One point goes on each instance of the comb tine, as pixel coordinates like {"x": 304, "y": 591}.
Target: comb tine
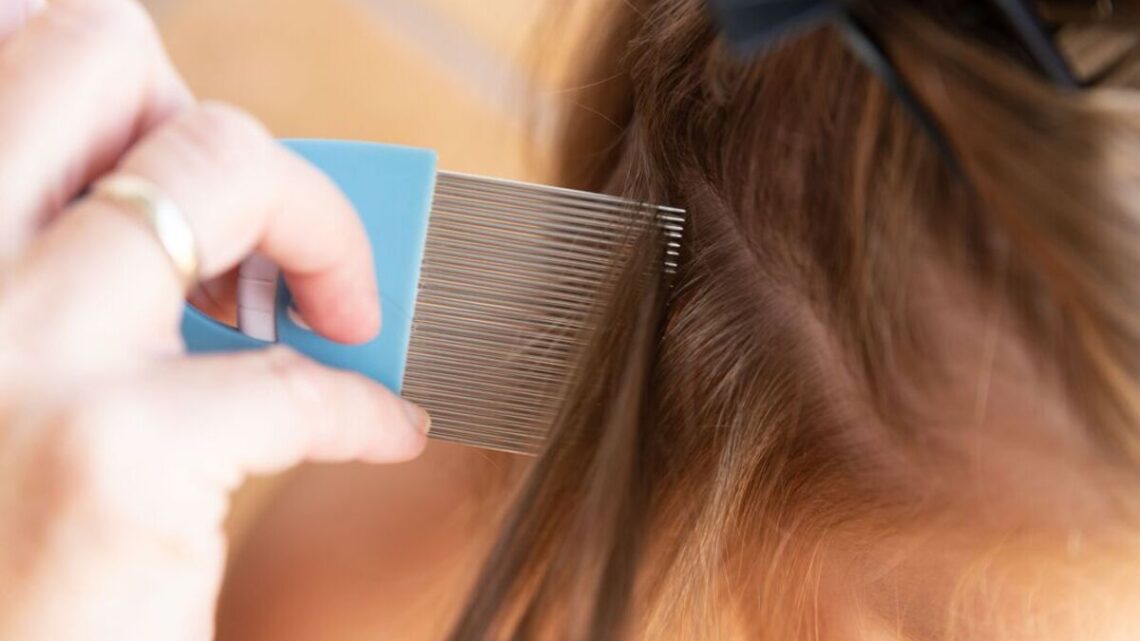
{"x": 511, "y": 276}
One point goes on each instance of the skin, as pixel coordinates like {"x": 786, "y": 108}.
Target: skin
{"x": 117, "y": 451}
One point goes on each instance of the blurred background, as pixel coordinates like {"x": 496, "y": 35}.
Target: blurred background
{"x": 464, "y": 77}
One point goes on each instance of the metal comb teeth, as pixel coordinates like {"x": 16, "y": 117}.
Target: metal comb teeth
{"x": 511, "y": 275}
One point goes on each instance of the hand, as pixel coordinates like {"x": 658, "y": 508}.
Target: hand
{"x": 118, "y": 451}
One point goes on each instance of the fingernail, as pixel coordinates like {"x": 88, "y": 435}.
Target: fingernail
{"x": 418, "y": 417}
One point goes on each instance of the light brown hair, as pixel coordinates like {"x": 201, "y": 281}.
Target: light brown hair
{"x": 753, "y": 441}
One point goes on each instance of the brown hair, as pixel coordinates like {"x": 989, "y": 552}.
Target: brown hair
{"x": 749, "y": 436}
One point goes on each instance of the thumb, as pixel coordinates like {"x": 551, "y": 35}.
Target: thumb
{"x": 262, "y": 412}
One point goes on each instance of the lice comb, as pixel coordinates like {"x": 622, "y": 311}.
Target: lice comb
{"x": 487, "y": 287}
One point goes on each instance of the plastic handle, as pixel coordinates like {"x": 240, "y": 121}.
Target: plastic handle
{"x": 391, "y": 188}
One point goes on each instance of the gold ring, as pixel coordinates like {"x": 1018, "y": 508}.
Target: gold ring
{"x": 149, "y": 204}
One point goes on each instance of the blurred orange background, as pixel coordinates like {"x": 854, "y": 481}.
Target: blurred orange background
{"x": 454, "y": 75}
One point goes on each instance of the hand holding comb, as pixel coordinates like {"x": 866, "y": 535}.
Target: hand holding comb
{"x": 486, "y": 286}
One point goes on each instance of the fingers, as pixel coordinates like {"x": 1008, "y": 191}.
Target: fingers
{"x": 80, "y": 82}
{"x": 261, "y": 412}
{"x": 244, "y": 191}
{"x": 240, "y": 191}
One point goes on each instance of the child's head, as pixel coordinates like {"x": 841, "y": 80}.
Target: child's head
{"x": 885, "y": 395}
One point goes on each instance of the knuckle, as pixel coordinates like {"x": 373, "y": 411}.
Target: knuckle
{"x": 232, "y": 121}
{"x": 301, "y": 380}
{"x": 128, "y": 19}
{"x": 86, "y": 446}
{"x": 96, "y": 38}
{"x": 119, "y": 25}
{"x": 220, "y": 136}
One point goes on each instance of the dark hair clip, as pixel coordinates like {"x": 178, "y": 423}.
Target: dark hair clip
{"x": 752, "y": 25}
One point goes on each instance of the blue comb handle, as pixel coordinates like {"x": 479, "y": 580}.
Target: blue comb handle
{"x": 391, "y": 188}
